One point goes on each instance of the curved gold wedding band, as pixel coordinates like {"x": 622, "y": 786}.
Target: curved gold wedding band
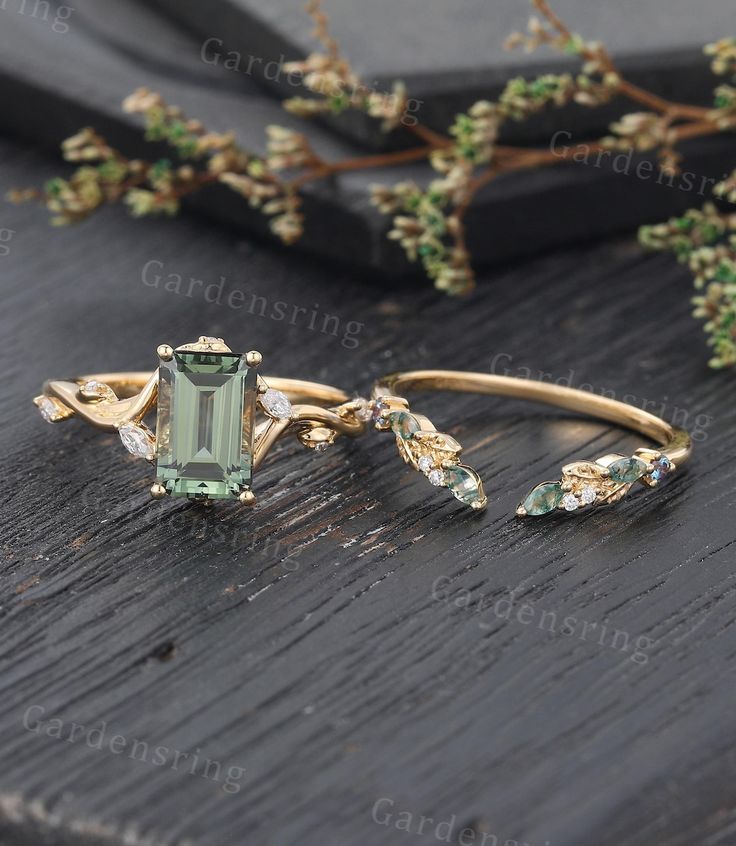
{"x": 208, "y": 441}
{"x": 583, "y": 484}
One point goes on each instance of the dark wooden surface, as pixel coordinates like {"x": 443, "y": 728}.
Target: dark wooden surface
{"x": 301, "y": 641}
{"x": 54, "y": 83}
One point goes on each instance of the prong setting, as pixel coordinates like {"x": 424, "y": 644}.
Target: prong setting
{"x": 247, "y": 498}
{"x": 589, "y": 484}
{"x": 432, "y": 453}
{"x": 205, "y": 448}
{"x": 158, "y": 491}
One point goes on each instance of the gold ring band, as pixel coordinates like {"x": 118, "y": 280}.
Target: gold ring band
{"x": 207, "y": 442}
{"x": 586, "y": 483}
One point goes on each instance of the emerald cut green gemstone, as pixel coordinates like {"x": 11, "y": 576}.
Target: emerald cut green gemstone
{"x": 204, "y": 428}
{"x": 463, "y": 483}
{"x": 403, "y": 424}
{"x": 627, "y": 469}
{"x": 543, "y": 499}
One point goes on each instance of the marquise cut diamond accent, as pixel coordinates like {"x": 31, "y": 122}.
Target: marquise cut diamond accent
{"x": 94, "y": 390}
{"x": 138, "y": 439}
{"x": 276, "y": 404}
{"x": 50, "y": 410}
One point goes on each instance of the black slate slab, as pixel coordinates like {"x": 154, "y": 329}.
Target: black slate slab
{"x": 53, "y": 83}
{"x": 302, "y": 640}
{"x": 451, "y": 54}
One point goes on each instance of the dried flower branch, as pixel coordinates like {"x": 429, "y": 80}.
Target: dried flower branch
{"x": 427, "y": 221}
{"x": 705, "y": 240}
{"x": 338, "y": 88}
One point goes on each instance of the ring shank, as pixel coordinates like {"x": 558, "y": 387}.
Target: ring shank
{"x": 130, "y": 383}
{"x": 314, "y": 404}
{"x": 675, "y": 442}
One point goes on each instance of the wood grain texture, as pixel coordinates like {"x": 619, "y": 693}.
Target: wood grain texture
{"x": 302, "y": 641}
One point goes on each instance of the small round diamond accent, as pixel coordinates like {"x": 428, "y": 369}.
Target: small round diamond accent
{"x": 436, "y": 477}
{"x": 425, "y": 464}
{"x": 276, "y": 404}
{"x": 377, "y": 415}
{"x": 570, "y": 502}
{"x": 138, "y": 439}
{"x": 365, "y": 412}
{"x": 588, "y": 495}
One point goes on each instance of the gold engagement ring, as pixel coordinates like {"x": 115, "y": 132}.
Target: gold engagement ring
{"x": 208, "y": 440}
{"x": 583, "y": 484}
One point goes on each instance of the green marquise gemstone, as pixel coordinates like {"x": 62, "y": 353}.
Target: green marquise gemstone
{"x": 543, "y": 499}
{"x": 464, "y": 484}
{"x": 627, "y": 469}
{"x": 205, "y": 424}
{"x": 403, "y": 424}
